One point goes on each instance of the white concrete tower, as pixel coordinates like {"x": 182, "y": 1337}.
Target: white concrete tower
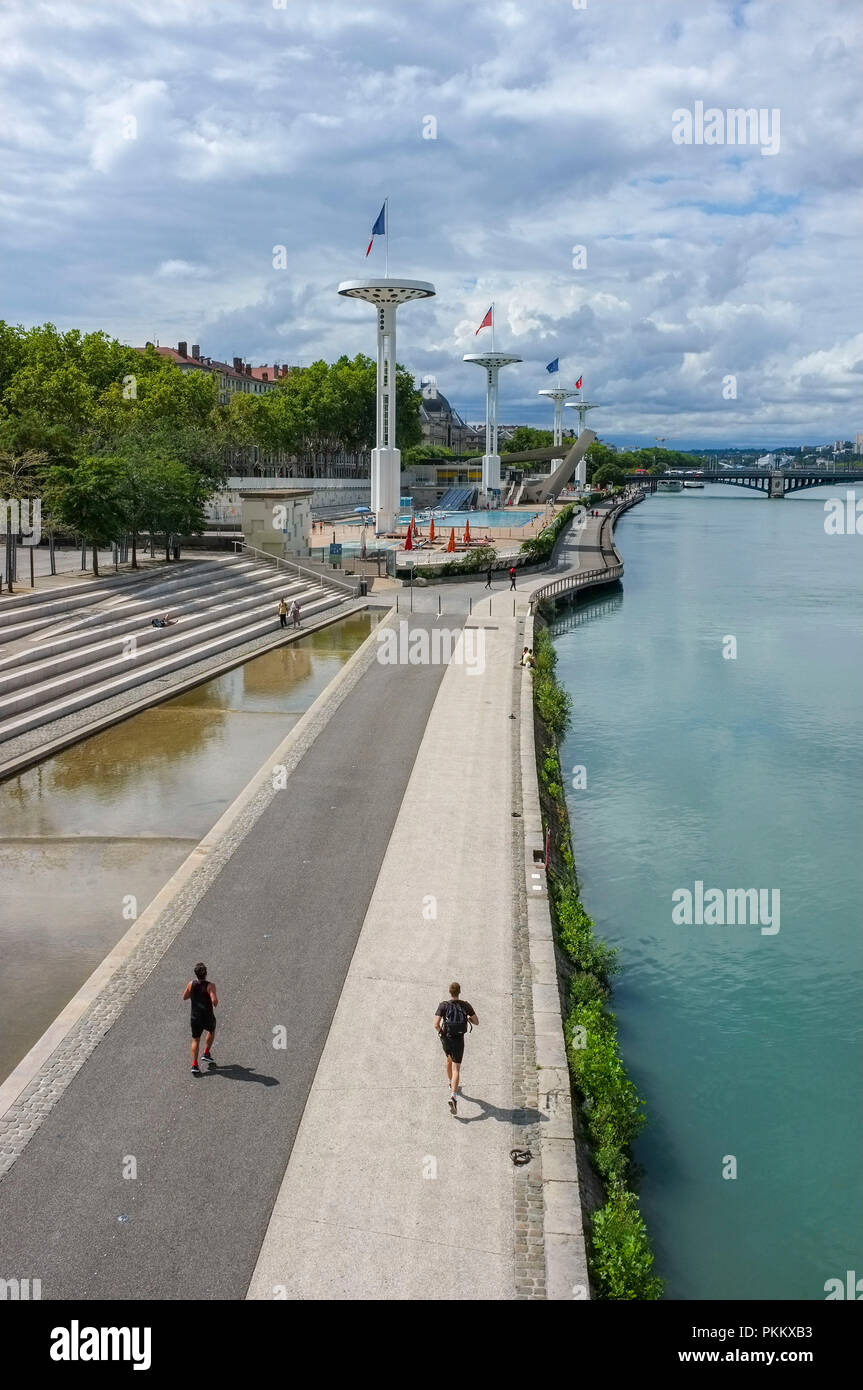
{"x": 386, "y": 295}
{"x": 582, "y": 407}
{"x": 492, "y": 361}
{"x": 558, "y": 394}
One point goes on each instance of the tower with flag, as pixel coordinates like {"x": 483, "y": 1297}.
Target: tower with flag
{"x": 582, "y": 407}
{"x": 492, "y": 362}
{"x": 386, "y": 294}
{"x": 559, "y": 394}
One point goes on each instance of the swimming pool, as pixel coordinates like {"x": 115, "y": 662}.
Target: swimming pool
{"x": 482, "y": 521}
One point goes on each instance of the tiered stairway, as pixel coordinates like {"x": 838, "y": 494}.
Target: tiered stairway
{"x": 70, "y": 647}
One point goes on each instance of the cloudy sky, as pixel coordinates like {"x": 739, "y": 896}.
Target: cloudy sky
{"x": 156, "y": 154}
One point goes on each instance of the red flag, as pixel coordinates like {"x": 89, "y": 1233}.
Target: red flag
{"x": 578, "y": 383}
{"x": 486, "y": 323}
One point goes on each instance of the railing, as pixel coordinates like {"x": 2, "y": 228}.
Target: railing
{"x": 243, "y": 548}
{"x": 579, "y": 579}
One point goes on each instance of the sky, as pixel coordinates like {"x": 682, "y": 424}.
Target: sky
{"x": 156, "y": 156}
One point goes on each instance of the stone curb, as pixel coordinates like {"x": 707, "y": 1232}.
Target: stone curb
{"x": 563, "y": 1226}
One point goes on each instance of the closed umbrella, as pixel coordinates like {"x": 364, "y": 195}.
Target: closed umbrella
{"x": 451, "y": 541}
{"x": 409, "y": 542}
{"x": 467, "y": 533}
{"x": 431, "y": 530}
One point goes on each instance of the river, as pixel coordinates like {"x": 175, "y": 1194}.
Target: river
{"x": 739, "y": 772}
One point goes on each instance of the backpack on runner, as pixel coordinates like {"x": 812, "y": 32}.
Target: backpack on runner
{"x": 454, "y": 1018}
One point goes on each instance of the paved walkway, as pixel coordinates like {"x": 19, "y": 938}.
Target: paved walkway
{"x": 278, "y": 927}
{"x": 386, "y": 1195}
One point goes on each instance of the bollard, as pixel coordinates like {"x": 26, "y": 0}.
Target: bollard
{"x": 470, "y": 607}
{"x": 397, "y": 603}
{"x": 438, "y": 605}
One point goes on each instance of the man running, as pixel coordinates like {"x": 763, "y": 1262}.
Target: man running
{"x": 450, "y": 1021}
{"x": 202, "y": 993}
{"x": 488, "y": 577}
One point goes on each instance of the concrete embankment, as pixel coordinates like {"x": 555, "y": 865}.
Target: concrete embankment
{"x": 407, "y": 853}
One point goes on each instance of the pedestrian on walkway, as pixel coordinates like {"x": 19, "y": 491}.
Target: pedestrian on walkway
{"x": 489, "y": 573}
{"x": 204, "y": 999}
{"x": 511, "y": 577}
{"x": 283, "y": 613}
{"x": 295, "y": 613}
{"x": 451, "y": 1022}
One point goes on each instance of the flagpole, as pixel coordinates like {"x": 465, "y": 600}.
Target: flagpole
{"x": 387, "y": 207}
{"x": 492, "y": 325}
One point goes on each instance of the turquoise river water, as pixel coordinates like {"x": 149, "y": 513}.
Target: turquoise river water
{"x": 738, "y": 772}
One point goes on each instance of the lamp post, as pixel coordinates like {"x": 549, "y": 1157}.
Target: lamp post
{"x": 386, "y": 295}
{"x": 492, "y": 362}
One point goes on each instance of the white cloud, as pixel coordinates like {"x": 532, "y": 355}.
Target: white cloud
{"x": 257, "y": 126}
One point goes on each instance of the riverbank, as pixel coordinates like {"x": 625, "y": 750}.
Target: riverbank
{"x": 609, "y": 1111}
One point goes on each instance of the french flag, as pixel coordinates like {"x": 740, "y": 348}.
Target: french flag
{"x": 486, "y": 323}
{"x": 380, "y": 227}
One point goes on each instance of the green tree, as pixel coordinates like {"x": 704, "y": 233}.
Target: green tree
{"x": 88, "y": 498}
{"x": 609, "y": 473}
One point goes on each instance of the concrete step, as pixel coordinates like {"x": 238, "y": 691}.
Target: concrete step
{"x": 44, "y": 609}
{"x": 213, "y": 640}
{"x": 58, "y": 678}
{"x": 87, "y": 649}
{"x": 131, "y": 613}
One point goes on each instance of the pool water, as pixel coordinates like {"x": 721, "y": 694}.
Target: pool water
{"x": 481, "y": 520}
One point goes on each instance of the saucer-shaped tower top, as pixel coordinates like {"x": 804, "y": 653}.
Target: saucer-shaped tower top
{"x": 386, "y": 295}
{"x": 385, "y": 291}
{"x": 492, "y": 361}
{"x": 558, "y": 394}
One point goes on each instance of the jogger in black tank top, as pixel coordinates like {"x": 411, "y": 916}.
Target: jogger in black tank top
{"x": 204, "y": 1000}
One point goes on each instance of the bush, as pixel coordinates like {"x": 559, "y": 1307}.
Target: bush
{"x": 540, "y": 547}
{"x": 622, "y": 1262}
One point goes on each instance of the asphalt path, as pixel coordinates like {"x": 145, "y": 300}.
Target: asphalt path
{"x": 277, "y": 930}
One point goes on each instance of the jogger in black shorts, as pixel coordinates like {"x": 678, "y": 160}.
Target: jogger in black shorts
{"x": 451, "y": 1020}
{"x": 202, "y": 993}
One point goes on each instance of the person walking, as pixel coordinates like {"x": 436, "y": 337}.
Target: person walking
{"x": 489, "y": 573}
{"x": 283, "y": 613}
{"x": 295, "y": 613}
{"x": 204, "y": 1000}
{"x": 511, "y": 577}
{"x": 451, "y": 1022}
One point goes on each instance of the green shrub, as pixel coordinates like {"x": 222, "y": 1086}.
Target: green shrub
{"x": 621, "y": 1259}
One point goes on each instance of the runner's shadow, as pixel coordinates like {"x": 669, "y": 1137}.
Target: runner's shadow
{"x": 234, "y": 1072}
{"x": 521, "y": 1116}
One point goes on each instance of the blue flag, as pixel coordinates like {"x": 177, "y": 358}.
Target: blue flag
{"x": 554, "y": 366}
{"x": 380, "y": 227}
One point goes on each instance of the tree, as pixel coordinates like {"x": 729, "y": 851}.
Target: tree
{"x": 609, "y": 473}
{"x": 21, "y": 477}
{"x": 88, "y": 498}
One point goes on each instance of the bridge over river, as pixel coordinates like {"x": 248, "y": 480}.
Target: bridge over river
{"x": 774, "y": 484}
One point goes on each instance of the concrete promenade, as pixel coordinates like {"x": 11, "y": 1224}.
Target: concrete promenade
{"x": 319, "y": 1159}
{"x": 386, "y": 1195}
